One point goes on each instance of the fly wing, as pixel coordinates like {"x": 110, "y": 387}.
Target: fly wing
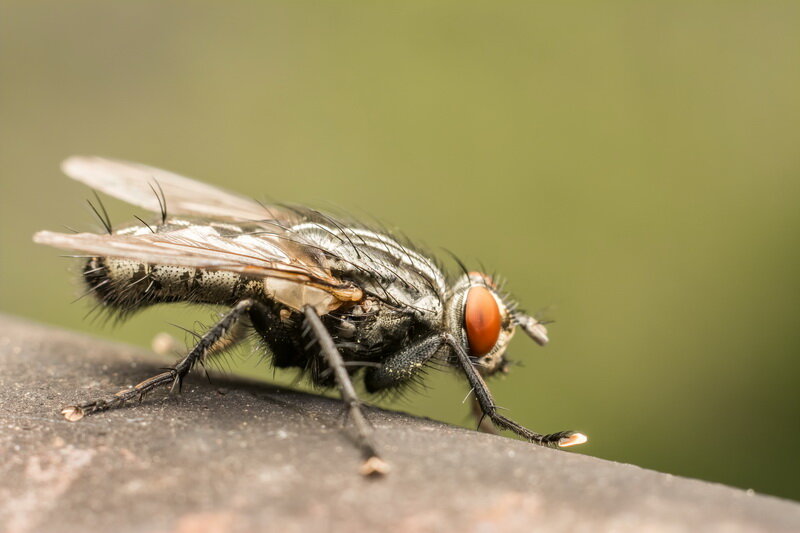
{"x": 137, "y": 184}
{"x": 293, "y": 274}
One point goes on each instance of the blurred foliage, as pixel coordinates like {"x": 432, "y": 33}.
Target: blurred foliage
{"x": 631, "y": 167}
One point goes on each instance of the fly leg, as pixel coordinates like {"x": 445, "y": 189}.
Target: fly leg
{"x": 486, "y": 402}
{"x": 373, "y": 464}
{"x": 484, "y": 424}
{"x": 165, "y": 344}
{"x": 403, "y": 365}
{"x": 172, "y": 376}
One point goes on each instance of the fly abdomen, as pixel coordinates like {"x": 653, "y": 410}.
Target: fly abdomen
{"x": 128, "y": 285}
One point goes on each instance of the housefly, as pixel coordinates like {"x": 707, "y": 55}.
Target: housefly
{"x": 335, "y": 299}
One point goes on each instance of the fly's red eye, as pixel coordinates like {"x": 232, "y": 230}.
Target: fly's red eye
{"x": 482, "y": 320}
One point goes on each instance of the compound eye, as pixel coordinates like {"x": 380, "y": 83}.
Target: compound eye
{"x": 482, "y": 321}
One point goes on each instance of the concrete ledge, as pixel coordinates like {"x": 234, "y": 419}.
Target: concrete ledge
{"x": 236, "y": 456}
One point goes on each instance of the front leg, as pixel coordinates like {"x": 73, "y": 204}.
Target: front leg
{"x": 482, "y": 422}
{"x": 487, "y": 405}
{"x": 403, "y": 365}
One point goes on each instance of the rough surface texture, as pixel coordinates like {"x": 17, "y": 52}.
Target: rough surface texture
{"x": 244, "y": 457}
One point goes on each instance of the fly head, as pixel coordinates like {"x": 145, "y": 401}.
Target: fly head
{"x": 484, "y": 322}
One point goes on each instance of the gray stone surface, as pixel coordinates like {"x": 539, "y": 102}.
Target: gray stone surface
{"x": 238, "y": 456}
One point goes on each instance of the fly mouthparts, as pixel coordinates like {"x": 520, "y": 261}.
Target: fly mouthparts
{"x": 533, "y": 328}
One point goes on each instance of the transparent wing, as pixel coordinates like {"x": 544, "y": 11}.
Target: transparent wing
{"x": 137, "y": 184}
{"x": 293, "y": 272}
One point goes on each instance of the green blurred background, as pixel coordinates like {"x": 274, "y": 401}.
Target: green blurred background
{"x": 632, "y": 167}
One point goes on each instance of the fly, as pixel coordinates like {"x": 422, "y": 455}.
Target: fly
{"x": 337, "y": 300}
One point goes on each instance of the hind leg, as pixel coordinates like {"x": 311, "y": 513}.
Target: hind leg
{"x": 173, "y": 377}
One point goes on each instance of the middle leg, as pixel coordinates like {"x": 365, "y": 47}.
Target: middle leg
{"x": 373, "y": 463}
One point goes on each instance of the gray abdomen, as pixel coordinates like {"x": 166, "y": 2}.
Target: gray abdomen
{"x": 129, "y": 285}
